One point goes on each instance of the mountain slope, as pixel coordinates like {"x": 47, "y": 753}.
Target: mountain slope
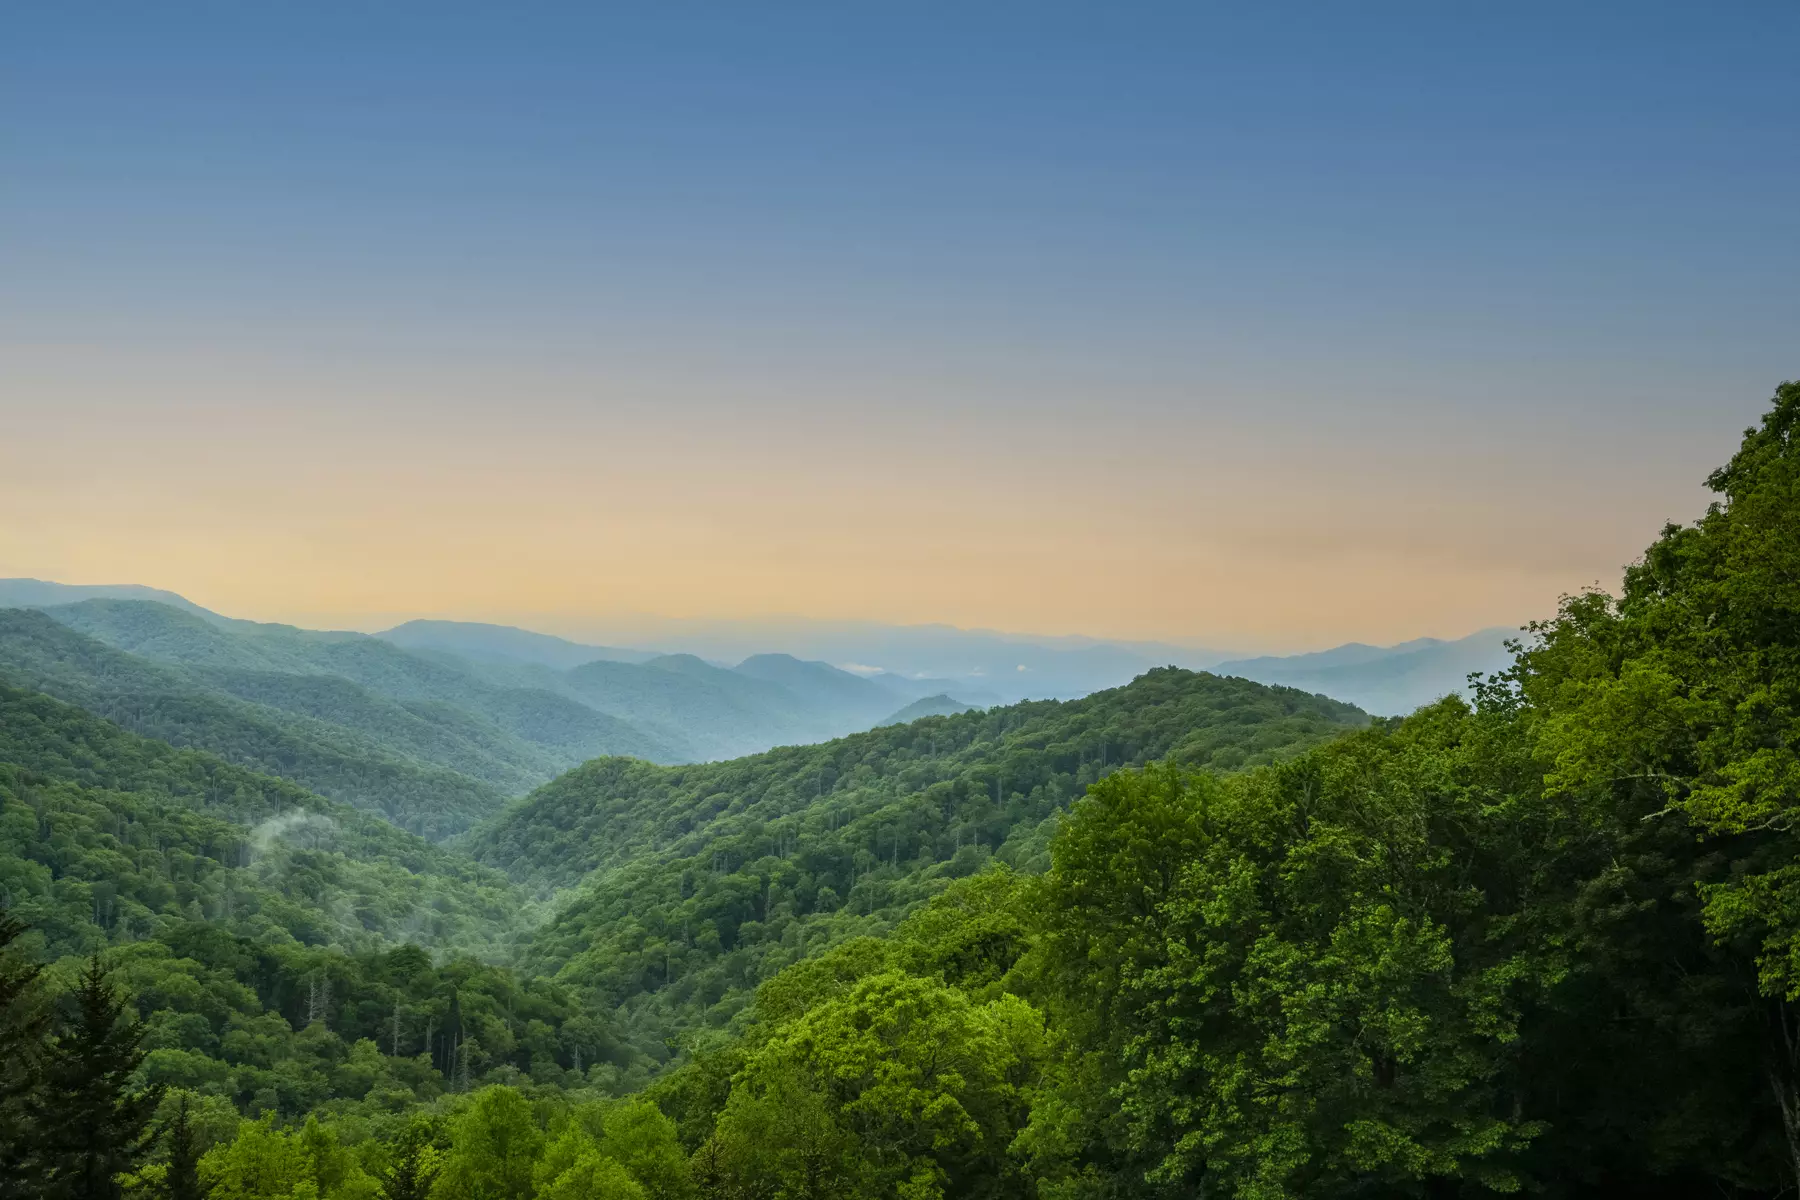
{"x": 1389, "y": 680}
{"x": 269, "y": 939}
{"x": 174, "y": 706}
{"x": 707, "y": 878}
{"x": 428, "y": 765}
{"x": 105, "y": 835}
{"x": 930, "y": 706}
{"x": 566, "y": 731}
{"x": 41, "y": 593}
{"x": 504, "y": 643}
{"x": 823, "y": 686}
{"x": 718, "y": 713}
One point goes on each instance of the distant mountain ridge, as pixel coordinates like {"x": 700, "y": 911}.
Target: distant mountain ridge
{"x": 427, "y": 764}
{"x": 430, "y": 739}
{"x": 1387, "y": 680}
{"x": 827, "y": 679}
{"x": 930, "y": 706}
{"x": 505, "y": 643}
{"x": 41, "y": 593}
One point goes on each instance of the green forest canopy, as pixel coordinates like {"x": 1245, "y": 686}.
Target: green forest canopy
{"x": 1544, "y": 942}
{"x": 707, "y": 879}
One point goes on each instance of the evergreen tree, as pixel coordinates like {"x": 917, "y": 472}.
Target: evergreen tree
{"x": 182, "y": 1180}
{"x": 23, "y": 1026}
{"x": 91, "y": 1127}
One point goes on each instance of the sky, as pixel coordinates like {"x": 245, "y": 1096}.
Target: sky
{"x": 1250, "y": 326}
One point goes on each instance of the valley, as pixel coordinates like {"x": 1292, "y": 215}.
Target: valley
{"x": 362, "y": 900}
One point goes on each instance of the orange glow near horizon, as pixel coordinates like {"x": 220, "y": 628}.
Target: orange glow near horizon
{"x": 557, "y": 503}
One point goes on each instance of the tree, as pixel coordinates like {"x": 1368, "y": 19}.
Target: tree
{"x": 181, "y": 1178}
{"x": 260, "y": 1161}
{"x": 415, "y": 1166}
{"x": 494, "y": 1144}
{"x": 781, "y": 1139}
{"x": 1304, "y": 1008}
{"x": 333, "y": 1169}
{"x": 23, "y": 1026}
{"x": 92, "y": 1126}
{"x": 899, "y": 1083}
{"x": 641, "y": 1139}
{"x": 574, "y": 1168}
{"x": 1670, "y": 717}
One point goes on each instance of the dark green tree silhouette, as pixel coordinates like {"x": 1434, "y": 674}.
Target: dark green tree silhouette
{"x": 92, "y": 1126}
{"x": 24, "y": 1026}
{"x": 182, "y": 1180}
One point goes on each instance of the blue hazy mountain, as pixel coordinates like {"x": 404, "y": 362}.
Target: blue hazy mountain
{"x": 504, "y": 643}
{"x": 346, "y": 716}
{"x": 736, "y": 687}
{"x": 40, "y": 593}
{"x": 931, "y": 706}
{"x": 979, "y": 666}
{"x": 1386, "y": 680}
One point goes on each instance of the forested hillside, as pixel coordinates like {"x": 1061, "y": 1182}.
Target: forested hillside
{"x": 710, "y": 878}
{"x": 354, "y": 715}
{"x": 245, "y": 654}
{"x": 716, "y": 712}
{"x": 346, "y": 759}
{"x": 1542, "y": 944}
{"x": 264, "y": 930}
{"x": 111, "y": 836}
{"x": 930, "y": 706}
{"x": 1190, "y": 937}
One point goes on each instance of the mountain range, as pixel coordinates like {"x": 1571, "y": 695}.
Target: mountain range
{"x": 453, "y": 717}
{"x": 434, "y": 727}
{"x": 1387, "y": 680}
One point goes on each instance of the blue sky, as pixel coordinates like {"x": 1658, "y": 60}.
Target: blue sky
{"x": 1538, "y": 259}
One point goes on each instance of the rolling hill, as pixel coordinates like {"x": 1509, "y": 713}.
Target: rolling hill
{"x": 931, "y": 706}
{"x": 357, "y": 720}
{"x": 699, "y": 881}
{"x": 41, "y": 593}
{"x": 105, "y": 835}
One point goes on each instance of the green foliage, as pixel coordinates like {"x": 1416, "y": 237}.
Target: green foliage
{"x": 496, "y": 1143}
{"x": 574, "y": 1168}
{"x": 91, "y": 1123}
{"x": 253, "y": 927}
{"x": 1669, "y": 718}
{"x": 424, "y": 763}
{"x": 709, "y": 879}
{"x": 181, "y": 1143}
{"x": 1543, "y": 944}
{"x": 1312, "y": 1000}
{"x": 417, "y": 1163}
{"x": 24, "y": 1025}
{"x": 262, "y": 1161}
{"x": 107, "y": 837}
{"x": 902, "y": 1084}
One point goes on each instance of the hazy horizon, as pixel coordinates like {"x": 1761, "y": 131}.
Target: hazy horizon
{"x": 652, "y": 631}
{"x": 1202, "y": 328}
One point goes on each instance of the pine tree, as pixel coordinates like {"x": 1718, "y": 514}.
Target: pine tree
{"x": 91, "y": 1127}
{"x": 24, "y": 1026}
{"x": 182, "y": 1180}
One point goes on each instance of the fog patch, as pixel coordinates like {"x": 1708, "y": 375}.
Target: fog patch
{"x": 300, "y": 828}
